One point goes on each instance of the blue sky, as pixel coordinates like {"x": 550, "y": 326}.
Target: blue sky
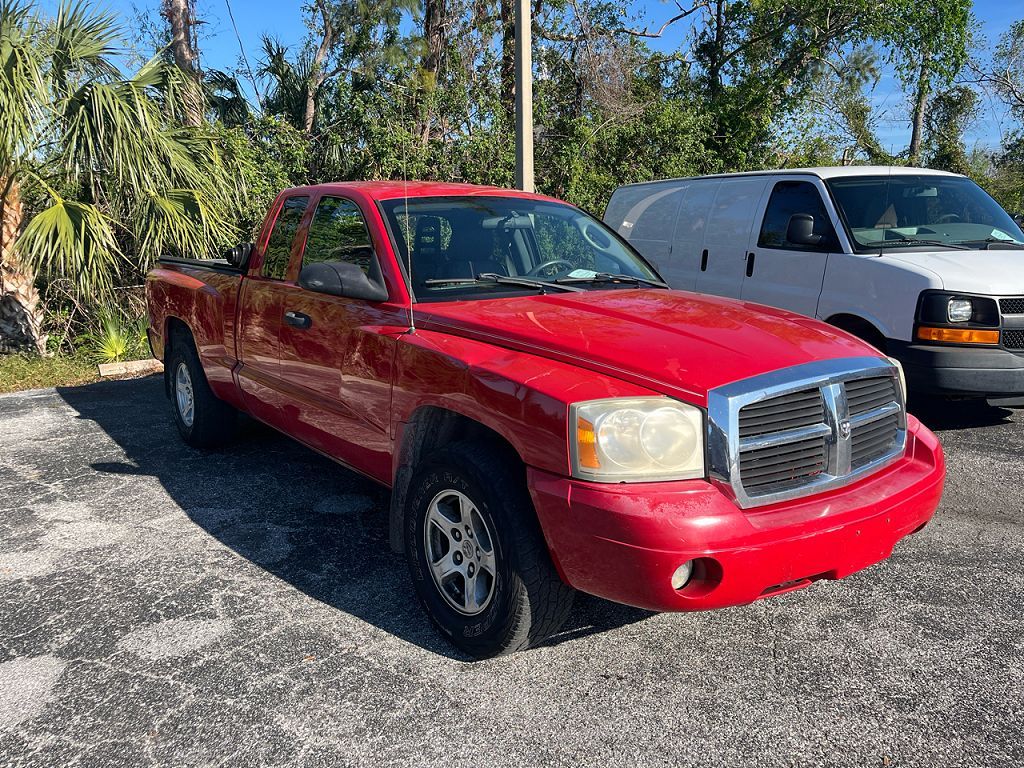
{"x": 283, "y": 19}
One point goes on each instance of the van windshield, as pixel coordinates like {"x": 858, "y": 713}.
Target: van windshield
{"x": 906, "y": 211}
{"x": 476, "y": 247}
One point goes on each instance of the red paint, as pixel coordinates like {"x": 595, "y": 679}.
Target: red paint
{"x": 348, "y": 386}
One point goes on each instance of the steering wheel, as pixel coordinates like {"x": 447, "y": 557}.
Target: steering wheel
{"x": 947, "y": 218}
{"x": 547, "y": 264}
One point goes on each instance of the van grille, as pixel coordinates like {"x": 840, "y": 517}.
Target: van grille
{"x": 1013, "y": 339}
{"x": 801, "y": 441}
{"x": 1014, "y": 306}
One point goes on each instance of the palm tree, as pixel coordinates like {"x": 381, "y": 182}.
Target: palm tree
{"x": 119, "y": 175}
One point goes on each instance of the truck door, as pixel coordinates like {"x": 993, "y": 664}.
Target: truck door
{"x": 260, "y": 311}
{"x": 730, "y": 222}
{"x": 337, "y": 352}
{"x": 783, "y": 273}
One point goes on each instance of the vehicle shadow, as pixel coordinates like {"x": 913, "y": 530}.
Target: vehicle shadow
{"x": 949, "y": 415}
{"x": 299, "y": 516}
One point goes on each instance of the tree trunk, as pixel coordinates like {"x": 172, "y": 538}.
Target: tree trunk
{"x": 317, "y": 75}
{"x": 435, "y": 31}
{"x": 21, "y": 313}
{"x": 180, "y": 15}
{"x": 507, "y": 69}
{"x": 920, "y": 108}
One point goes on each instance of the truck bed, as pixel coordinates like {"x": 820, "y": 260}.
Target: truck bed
{"x": 216, "y": 265}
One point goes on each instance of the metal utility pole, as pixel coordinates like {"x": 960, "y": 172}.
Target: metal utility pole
{"x": 524, "y": 96}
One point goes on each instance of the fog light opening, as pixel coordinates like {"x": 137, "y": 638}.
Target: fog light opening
{"x": 682, "y": 575}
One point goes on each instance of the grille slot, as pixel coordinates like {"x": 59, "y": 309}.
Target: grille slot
{"x": 1014, "y": 306}
{"x": 1013, "y": 339}
{"x": 863, "y": 395}
{"x": 782, "y": 467}
{"x": 798, "y": 409}
{"x": 874, "y": 440}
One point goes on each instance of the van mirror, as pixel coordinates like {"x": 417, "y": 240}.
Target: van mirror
{"x": 801, "y": 231}
{"x": 341, "y": 278}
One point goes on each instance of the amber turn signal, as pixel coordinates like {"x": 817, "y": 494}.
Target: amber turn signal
{"x": 586, "y": 446}
{"x": 958, "y": 335}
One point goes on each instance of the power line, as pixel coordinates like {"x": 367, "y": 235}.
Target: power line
{"x": 245, "y": 58}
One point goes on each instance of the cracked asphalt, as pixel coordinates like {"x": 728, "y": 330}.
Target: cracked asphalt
{"x": 162, "y": 606}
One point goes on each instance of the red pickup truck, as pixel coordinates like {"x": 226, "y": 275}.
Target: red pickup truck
{"x": 548, "y": 415}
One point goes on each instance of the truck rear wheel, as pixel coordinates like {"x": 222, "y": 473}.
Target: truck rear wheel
{"x": 477, "y": 556}
{"x": 203, "y": 420}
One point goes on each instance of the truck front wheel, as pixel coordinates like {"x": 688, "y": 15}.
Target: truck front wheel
{"x": 202, "y": 419}
{"x": 477, "y": 556}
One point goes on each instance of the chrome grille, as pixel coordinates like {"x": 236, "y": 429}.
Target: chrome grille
{"x": 1013, "y": 306}
{"x": 799, "y": 431}
{"x": 1013, "y": 339}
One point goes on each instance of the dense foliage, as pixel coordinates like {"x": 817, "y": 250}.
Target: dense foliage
{"x": 105, "y": 170}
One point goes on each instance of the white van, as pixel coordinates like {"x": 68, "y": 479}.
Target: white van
{"x": 922, "y": 264}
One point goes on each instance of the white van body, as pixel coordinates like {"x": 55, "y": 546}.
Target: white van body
{"x": 869, "y": 274}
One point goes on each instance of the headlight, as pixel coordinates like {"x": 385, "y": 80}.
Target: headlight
{"x": 903, "y": 376}
{"x": 960, "y": 310}
{"x": 643, "y": 438}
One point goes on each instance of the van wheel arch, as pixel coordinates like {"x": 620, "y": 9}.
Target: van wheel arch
{"x": 863, "y": 329}
{"x": 429, "y": 429}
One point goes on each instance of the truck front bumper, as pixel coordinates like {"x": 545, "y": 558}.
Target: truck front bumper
{"x": 964, "y": 371}
{"x": 624, "y": 542}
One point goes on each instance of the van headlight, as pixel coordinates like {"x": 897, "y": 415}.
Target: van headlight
{"x": 959, "y": 310}
{"x": 636, "y": 439}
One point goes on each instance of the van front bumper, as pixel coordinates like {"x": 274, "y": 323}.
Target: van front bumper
{"x": 965, "y": 371}
{"x": 623, "y": 542}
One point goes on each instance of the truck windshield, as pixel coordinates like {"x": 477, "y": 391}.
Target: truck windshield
{"x": 475, "y": 247}
{"x": 907, "y": 211}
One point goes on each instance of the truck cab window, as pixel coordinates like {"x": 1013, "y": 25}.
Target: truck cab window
{"x": 338, "y": 233}
{"x": 279, "y": 247}
{"x": 788, "y": 199}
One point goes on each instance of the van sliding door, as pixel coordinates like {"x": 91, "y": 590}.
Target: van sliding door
{"x": 730, "y": 220}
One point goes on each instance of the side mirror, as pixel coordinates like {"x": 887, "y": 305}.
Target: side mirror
{"x": 239, "y": 255}
{"x": 341, "y": 278}
{"x": 801, "y": 230}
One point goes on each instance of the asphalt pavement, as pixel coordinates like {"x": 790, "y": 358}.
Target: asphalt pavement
{"x": 165, "y": 606}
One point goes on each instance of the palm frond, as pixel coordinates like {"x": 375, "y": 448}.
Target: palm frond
{"x": 22, "y": 88}
{"x": 83, "y": 40}
{"x": 74, "y": 240}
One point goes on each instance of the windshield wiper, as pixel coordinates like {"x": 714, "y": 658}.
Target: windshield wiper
{"x": 918, "y": 241}
{"x": 990, "y": 241}
{"x": 609, "y": 277}
{"x": 494, "y": 277}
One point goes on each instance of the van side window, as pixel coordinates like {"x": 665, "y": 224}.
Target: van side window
{"x": 790, "y": 198}
{"x": 338, "y": 233}
{"x": 279, "y": 246}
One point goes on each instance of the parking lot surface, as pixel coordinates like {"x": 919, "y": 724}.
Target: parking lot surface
{"x": 164, "y": 606}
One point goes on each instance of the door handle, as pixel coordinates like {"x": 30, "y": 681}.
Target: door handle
{"x": 704, "y": 261}
{"x": 297, "y": 319}
{"x": 750, "y": 265}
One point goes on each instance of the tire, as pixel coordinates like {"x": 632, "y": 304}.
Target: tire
{"x": 525, "y": 602}
{"x": 210, "y": 422}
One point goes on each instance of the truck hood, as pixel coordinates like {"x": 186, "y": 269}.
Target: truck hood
{"x": 678, "y": 343}
{"x": 995, "y": 273}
